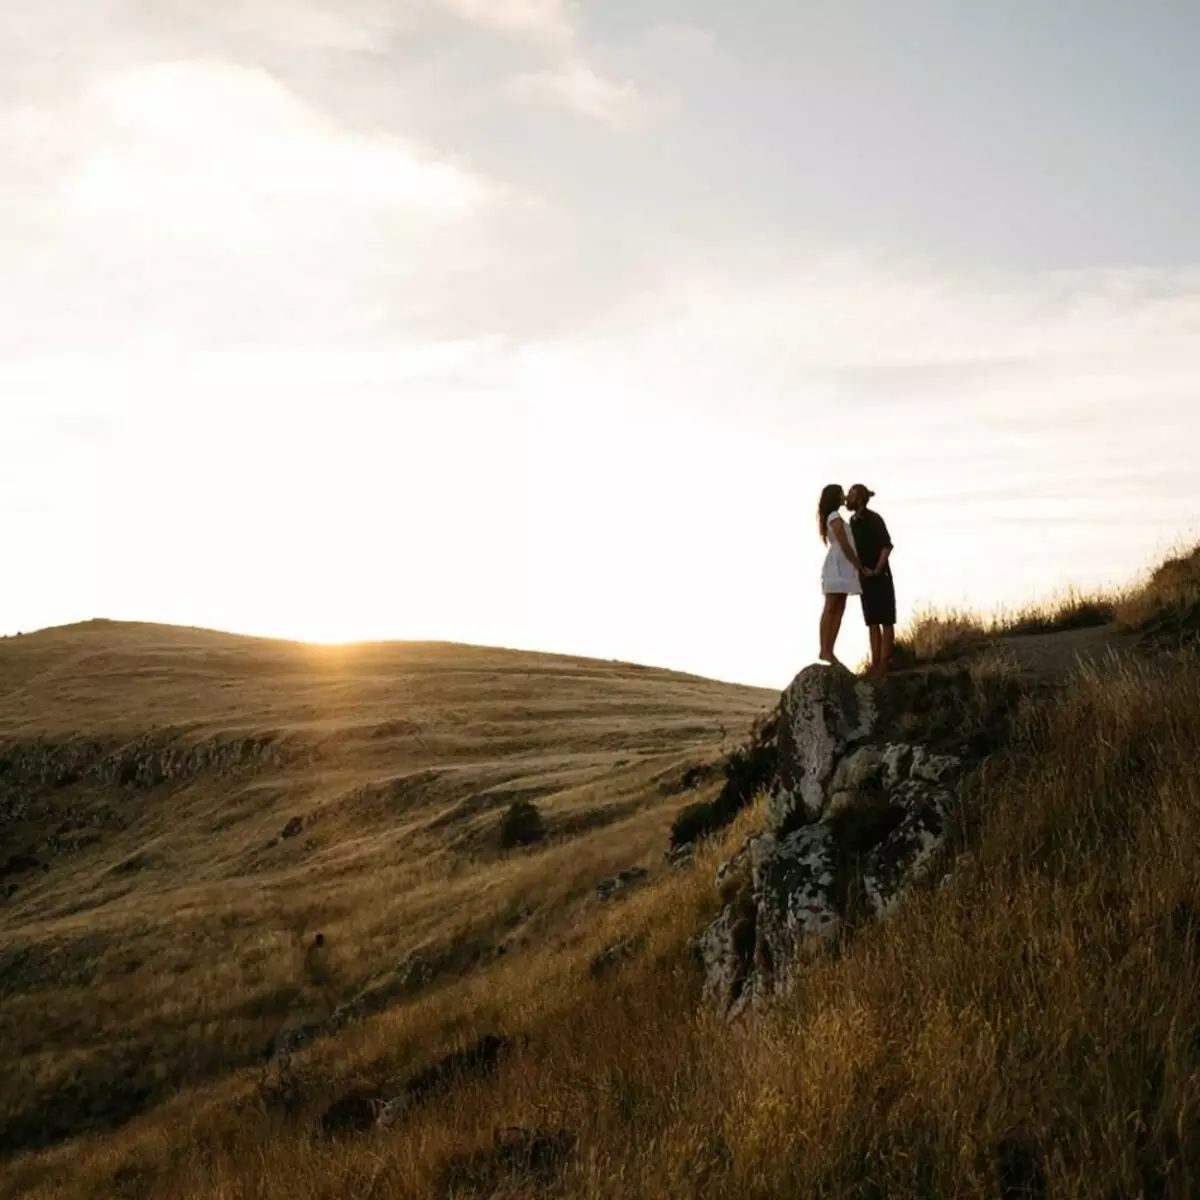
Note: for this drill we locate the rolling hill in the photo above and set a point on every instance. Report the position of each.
(186, 811)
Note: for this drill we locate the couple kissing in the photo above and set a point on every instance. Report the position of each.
(856, 564)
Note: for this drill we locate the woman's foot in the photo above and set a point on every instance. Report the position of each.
(830, 658)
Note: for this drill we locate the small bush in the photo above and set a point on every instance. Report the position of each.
(1073, 610)
(1168, 605)
(694, 822)
(937, 636)
(522, 825)
(748, 770)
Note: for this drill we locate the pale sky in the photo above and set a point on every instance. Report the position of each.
(541, 324)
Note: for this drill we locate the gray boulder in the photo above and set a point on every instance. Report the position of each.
(852, 822)
(794, 886)
(823, 711)
(906, 854)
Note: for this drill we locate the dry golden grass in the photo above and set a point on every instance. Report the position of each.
(1164, 604)
(934, 635)
(1031, 1025)
(173, 936)
(938, 635)
(1168, 601)
(1029, 1028)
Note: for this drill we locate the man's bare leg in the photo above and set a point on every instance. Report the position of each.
(873, 631)
(887, 643)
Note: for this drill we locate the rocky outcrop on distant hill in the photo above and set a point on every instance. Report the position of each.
(58, 796)
(853, 819)
(144, 762)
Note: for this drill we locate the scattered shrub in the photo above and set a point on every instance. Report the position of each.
(748, 770)
(1168, 605)
(522, 825)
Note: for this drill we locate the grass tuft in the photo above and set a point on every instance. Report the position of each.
(1167, 605)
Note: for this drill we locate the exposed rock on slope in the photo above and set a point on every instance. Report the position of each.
(146, 761)
(851, 821)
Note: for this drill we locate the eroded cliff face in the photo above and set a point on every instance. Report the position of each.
(146, 761)
(852, 821)
(58, 796)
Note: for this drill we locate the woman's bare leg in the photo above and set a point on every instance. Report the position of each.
(835, 623)
(831, 624)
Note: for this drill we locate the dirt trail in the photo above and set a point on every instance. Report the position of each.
(1056, 655)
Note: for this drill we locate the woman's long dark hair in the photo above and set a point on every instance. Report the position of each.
(831, 500)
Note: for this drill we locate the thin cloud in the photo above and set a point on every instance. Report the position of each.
(575, 85)
(572, 80)
(354, 28)
(218, 150)
(550, 22)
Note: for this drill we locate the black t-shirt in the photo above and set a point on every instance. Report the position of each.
(870, 538)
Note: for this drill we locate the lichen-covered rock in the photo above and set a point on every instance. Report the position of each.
(857, 769)
(897, 761)
(713, 948)
(679, 858)
(932, 768)
(733, 871)
(850, 818)
(622, 881)
(824, 710)
(905, 855)
(794, 882)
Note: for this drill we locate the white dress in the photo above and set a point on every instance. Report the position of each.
(838, 573)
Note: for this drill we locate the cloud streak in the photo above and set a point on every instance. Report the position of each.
(572, 79)
(213, 148)
(574, 84)
(550, 23)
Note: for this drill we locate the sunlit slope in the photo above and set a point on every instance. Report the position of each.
(115, 677)
(151, 773)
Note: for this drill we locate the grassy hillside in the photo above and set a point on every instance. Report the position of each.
(1029, 1028)
(163, 930)
(1163, 609)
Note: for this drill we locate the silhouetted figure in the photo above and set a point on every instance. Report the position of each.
(840, 574)
(874, 544)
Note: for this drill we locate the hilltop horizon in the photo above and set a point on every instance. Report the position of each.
(100, 625)
(997, 615)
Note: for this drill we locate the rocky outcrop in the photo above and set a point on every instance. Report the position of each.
(144, 762)
(622, 881)
(852, 821)
(821, 713)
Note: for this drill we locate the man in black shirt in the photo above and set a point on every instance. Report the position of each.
(874, 547)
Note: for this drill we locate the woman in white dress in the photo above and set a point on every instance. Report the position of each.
(839, 576)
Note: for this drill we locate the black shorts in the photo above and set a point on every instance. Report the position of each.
(879, 600)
